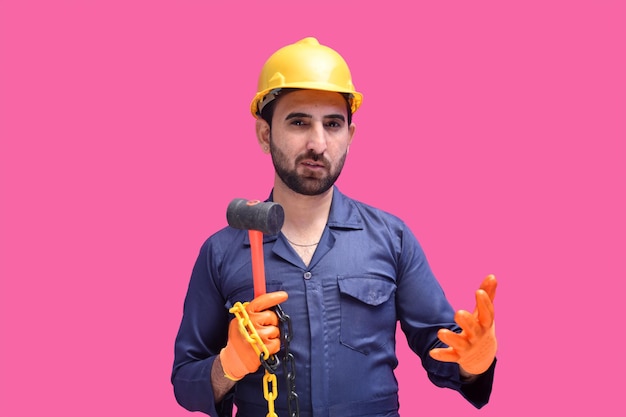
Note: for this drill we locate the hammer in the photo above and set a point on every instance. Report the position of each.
(257, 218)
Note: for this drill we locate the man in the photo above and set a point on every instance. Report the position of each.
(343, 271)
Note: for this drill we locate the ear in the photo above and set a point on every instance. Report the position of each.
(351, 130)
(263, 134)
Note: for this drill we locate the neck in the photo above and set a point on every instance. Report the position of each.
(305, 216)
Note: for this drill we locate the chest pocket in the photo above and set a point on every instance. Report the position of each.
(368, 319)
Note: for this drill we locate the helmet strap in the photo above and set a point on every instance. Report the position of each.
(269, 97)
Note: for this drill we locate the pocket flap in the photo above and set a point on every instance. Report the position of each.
(370, 290)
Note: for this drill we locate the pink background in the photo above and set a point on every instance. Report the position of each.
(496, 129)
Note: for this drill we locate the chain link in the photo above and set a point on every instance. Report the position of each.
(247, 329)
(270, 392)
(289, 366)
(271, 362)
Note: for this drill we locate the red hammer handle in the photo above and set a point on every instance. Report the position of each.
(258, 265)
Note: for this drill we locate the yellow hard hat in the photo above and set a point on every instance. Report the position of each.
(306, 65)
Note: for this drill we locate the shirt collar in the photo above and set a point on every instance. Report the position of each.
(343, 212)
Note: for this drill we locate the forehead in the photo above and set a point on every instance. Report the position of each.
(312, 101)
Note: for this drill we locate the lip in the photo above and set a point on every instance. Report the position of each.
(312, 164)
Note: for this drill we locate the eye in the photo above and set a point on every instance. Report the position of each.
(297, 122)
(334, 124)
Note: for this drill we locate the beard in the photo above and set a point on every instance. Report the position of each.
(306, 184)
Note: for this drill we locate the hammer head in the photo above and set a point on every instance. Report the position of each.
(266, 217)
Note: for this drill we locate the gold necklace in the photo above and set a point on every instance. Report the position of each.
(302, 246)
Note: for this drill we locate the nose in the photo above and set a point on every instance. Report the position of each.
(317, 139)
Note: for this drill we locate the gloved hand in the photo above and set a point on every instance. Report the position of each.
(474, 349)
(239, 357)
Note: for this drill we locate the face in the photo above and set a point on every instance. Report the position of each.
(309, 139)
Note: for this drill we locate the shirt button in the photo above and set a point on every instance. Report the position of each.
(307, 275)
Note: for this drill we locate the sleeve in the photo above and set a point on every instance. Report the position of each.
(203, 332)
(422, 310)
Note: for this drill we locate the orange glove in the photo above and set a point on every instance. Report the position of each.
(474, 349)
(239, 357)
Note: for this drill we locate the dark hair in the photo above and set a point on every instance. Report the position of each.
(267, 113)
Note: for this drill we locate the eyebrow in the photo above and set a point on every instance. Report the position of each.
(296, 115)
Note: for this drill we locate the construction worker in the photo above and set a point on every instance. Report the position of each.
(344, 273)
